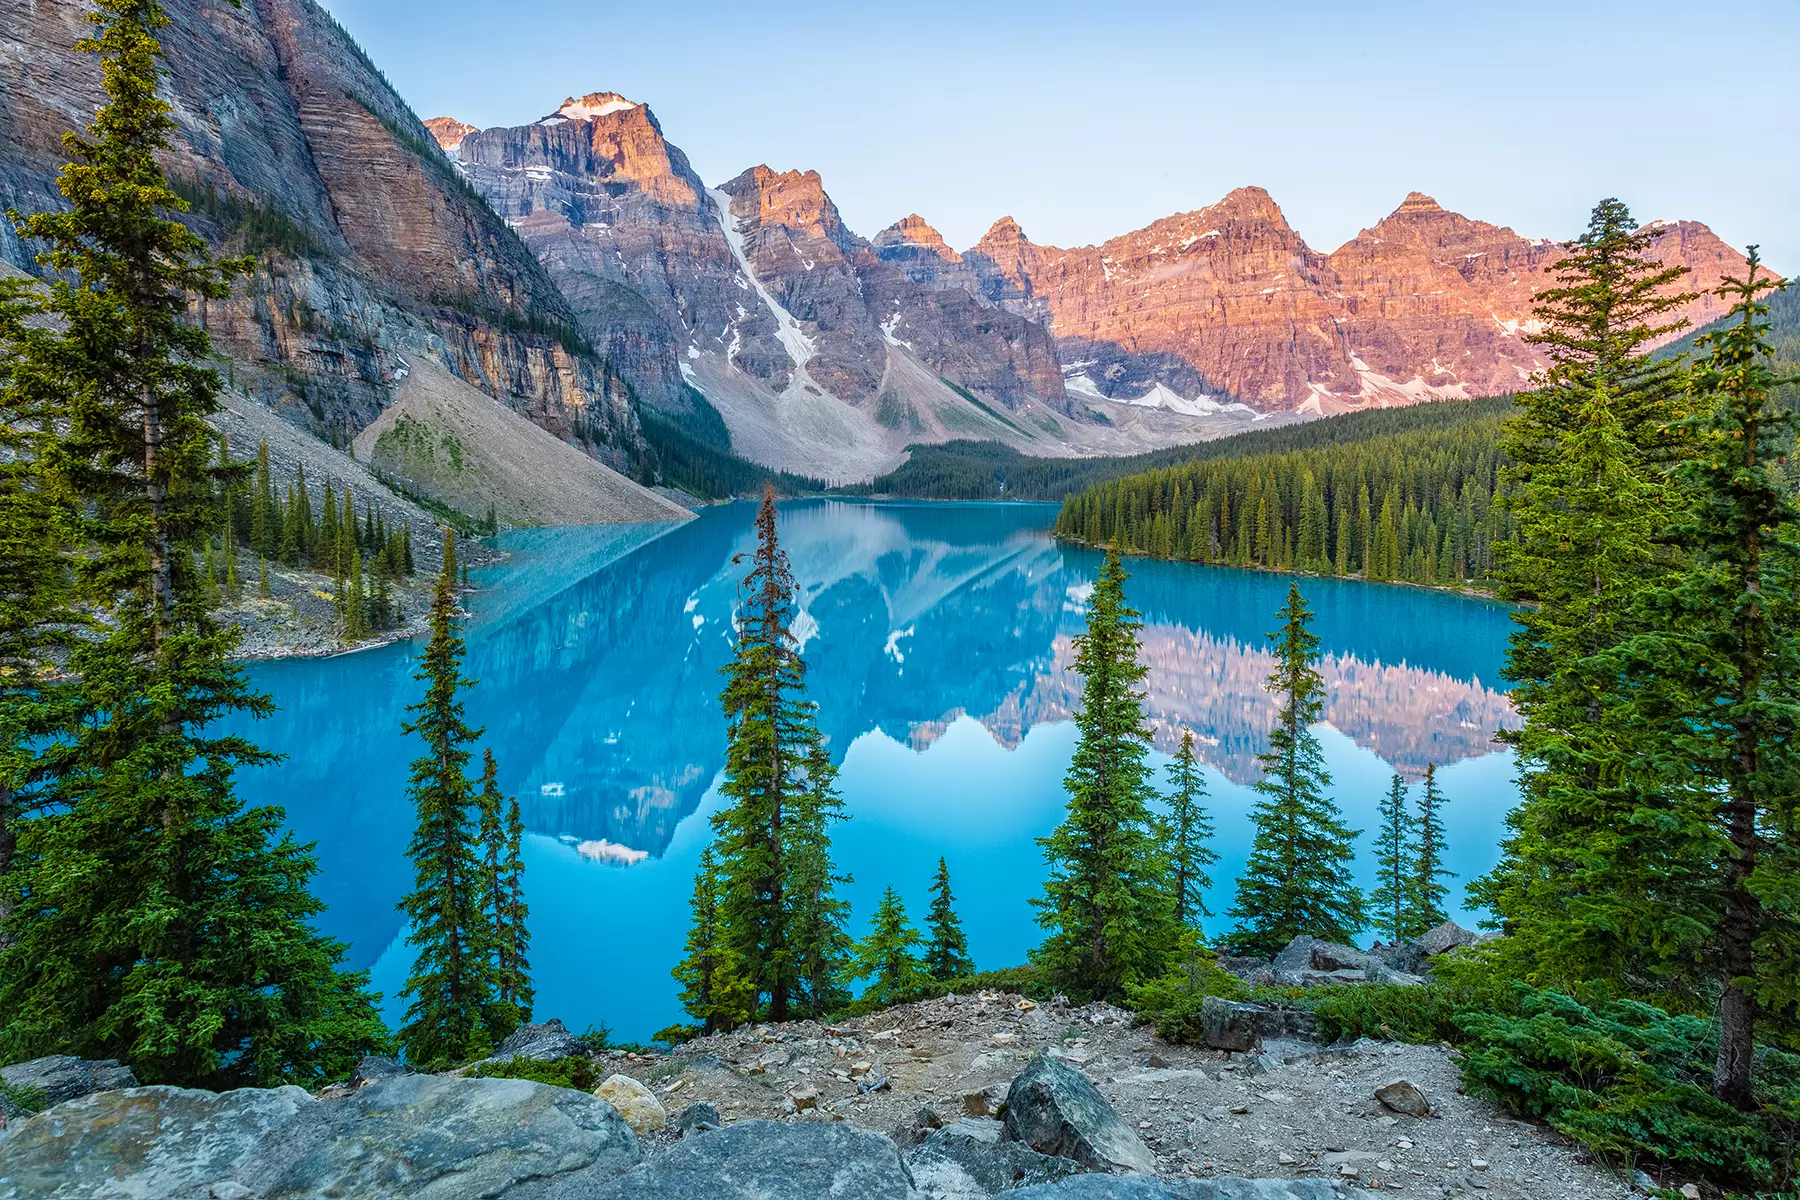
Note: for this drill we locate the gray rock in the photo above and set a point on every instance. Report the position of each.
(1404, 1097)
(64, 1077)
(540, 1043)
(420, 1136)
(1229, 1025)
(967, 1160)
(759, 1160)
(1445, 938)
(1113, 1187)
(1309, 962)
(374, 1069)
(924, 1123)
(1054, 1109)
(697, 1117)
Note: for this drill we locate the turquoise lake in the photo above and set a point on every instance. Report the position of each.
(936, 638)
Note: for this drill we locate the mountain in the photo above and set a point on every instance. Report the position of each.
(372, 251)
(822, 352)
(1230, 301)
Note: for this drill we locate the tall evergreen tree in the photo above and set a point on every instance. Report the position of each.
(1715, 695)
(772, 835)
(817, 938)
(499, 862)
(947, 948)
(1587, 885)
(1186, 835)
(1426, 893)
(453, 987)
(153, 918)
(714, 989)
(1106, 904)
(1390, 903)
(514, 916)
(1298, 879)
(888, 957)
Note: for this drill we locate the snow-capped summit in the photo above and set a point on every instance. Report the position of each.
(593, 105)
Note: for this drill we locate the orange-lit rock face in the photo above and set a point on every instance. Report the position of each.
(1427, 303)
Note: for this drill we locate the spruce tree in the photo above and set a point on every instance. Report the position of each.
(772, 841)
(514, 916)
(501, 881)
(946, 947)
(259, 502)
(888, 956)
(1298, 878)
(155, 920)
(817, 938)
(1715, 695)
(453, 987)
(1106, 903)
(1425, 910)
(1587, 885)
(1186, 835)
(714, 989)
(1390, 904)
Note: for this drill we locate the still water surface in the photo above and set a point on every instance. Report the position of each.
(936, 641)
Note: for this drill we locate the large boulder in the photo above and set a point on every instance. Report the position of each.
(635, 1102)
(1230, 1025)
(1054, 1109)
(420, 1137)
(1310, 962)
(1113, 1187)
(968, 1160)
(542, 1043)
(1410, 957)
(761, 1160)
(63, 1077)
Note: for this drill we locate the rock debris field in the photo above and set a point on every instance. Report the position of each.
(959, 1098)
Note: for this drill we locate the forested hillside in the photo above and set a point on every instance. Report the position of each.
(990, 471)
(1415, 506)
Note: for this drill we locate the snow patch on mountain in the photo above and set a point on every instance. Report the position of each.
(589, 107)
(799, 347)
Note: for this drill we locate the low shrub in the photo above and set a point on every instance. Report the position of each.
(576, 1071)
(1173, 1002)
(1026, 981)
(1629, 1081)
(28, 1099)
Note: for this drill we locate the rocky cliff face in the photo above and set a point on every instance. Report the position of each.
(370, 248)
(1230, 300)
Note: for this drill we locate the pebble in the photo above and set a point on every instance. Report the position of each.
(1238, 1110)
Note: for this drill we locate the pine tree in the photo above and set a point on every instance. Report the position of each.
(1587, 885)
(773, 828)
(262, 576)
(888, 957)
(1298, 878)
(500, 868)
(1186, 835)
(515, 943)
(453, 984)
(1715, 701)
(714, 989)
(1391, 901)
(1425, 909)
(1106, 904)
(818, 941)
(947, 950)
(157, 920)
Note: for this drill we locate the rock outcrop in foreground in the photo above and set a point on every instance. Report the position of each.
(958, 1098)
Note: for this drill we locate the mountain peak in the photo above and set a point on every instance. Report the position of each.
(1249, 203)
(449, 132)
(593, 106)
(1005, 231)
(913, 230)
(1418, 202)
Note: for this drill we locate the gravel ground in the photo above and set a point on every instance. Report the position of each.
(1296, 1110)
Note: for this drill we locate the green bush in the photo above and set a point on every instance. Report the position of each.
(1630, 1082)
(28, 1098)
(1026, 981)
(576, 1071)
(1173, 1003)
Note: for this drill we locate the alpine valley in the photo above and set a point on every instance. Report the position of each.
(580, 272)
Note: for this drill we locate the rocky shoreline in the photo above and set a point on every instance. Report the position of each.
(956, 1098)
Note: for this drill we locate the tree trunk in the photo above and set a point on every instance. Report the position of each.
(1737, 934)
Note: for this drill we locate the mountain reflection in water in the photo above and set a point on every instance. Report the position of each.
(936, 639)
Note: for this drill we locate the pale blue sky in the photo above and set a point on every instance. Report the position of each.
(1084, 121)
